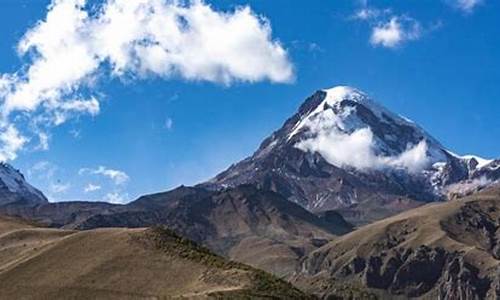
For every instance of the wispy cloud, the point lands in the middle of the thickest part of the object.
(370, 13)
(466, 6)
(91, 188)
(59, 187)
(42, 169)
(69, 51)
(75, 133)
(117, 176)
(48, 176)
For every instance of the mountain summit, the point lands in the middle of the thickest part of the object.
(342, 150)
(15, 188)
(349, 130)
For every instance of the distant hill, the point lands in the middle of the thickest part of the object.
(43, 263)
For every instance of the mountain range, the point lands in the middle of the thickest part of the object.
(345, 200)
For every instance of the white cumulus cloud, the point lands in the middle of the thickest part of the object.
(396, 31)
(77, 44)
(389, 29)
(357, 150)
(11, 142)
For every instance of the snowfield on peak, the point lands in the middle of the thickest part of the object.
(344, 135)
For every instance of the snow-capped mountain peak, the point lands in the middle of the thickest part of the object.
(349, 129)
(14, 187)
(343, 150)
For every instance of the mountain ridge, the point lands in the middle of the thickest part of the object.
(447, 250)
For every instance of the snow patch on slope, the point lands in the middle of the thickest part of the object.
(481, 162)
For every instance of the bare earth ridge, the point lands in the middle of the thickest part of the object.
(119, 263)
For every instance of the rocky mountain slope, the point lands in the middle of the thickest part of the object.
(41, 263)
(343, 151)
(438, 251)
(66, 215)
(13, 187)
(257, 227)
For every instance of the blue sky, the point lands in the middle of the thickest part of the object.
(436, 62)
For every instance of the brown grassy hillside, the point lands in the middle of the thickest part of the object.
(41, 263)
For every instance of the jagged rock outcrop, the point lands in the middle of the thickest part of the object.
(438, 251)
